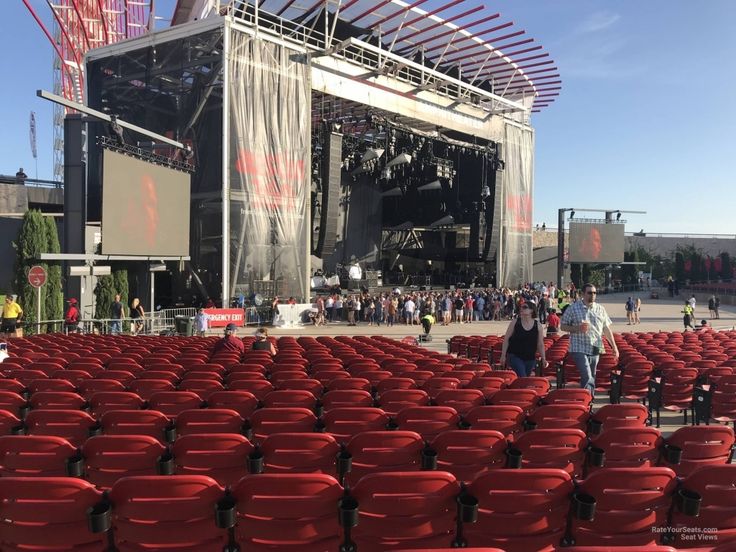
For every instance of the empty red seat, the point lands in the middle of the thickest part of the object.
(34, 455)
(342, 423)
(628, 447)
(173, 512)
(51, 384)
(259, 388)
(553, 448)
(104, 401)
(428, 421)
(568, 396)
(300, 453)
(144, 388)
(107, 458)
(468, 454)
(48, 513)
(135, 422)
(631, 506)
(506, 419)
(392, 401)
(266, 421)
(346, 397)
(461, 400)
(13, 402)
(223, 456)
(56, 400)
(73, 425)
(716, 523)
(620, 415)
(243, 402)
(526, 399)
(172, 403)
(552, 416)
(409, 509)
(290, 397)
(8, 422)
(87, 388)
(383, 451)
(209, 421)
(520, 510)
(287, 512)
(700, 445)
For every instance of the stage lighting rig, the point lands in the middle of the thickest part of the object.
(400, 159)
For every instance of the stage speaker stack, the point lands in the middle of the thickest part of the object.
(372, 277)
(331, 174)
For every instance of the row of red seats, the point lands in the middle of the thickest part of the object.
(617, 436)
(404, 510)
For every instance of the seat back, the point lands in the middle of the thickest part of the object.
(700, 445)
(108, 458)
(208, 420)
(384, 451)
(344, 422)
(300, 453)
(221, 456)
(553, 448)
(47, 513)
(34, 456)
(168, 511)
(428, 421)
(287, 512)
(468, 454)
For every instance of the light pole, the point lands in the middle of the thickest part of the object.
(561, 244)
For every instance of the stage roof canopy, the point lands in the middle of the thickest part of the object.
(459, 37)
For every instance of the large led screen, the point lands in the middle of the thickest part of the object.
(596, 243)
(145, 208)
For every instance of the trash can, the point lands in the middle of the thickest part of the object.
(184, 325)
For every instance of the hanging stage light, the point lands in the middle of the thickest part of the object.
(434, 185)
(371, 153)
(393, 192)
(444, 221)
(400, 159)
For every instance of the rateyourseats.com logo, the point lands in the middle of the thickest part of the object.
(709, 534)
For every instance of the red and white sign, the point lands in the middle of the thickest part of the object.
(37, 276)
(219, 318)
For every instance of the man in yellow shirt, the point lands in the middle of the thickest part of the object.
(11, 313)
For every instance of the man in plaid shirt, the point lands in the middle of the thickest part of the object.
(587, 322)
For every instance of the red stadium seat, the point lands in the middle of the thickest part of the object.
(392, 401)
(289, 397)
(553, 448)
(383, 451)
(716, 522)
(8, 422)
(428, 421)
(56, 400)
(506, 419)
(405, 509)
(619, 415)
(526, 399)
(135, 422)
(105, 401)
(461, 400)
(267, 421)
(47, 513)
(243, 402)
(520, 510)
(171, 512)
(13, 403)
(700, 445)
(208, 421)
(51, 384)
(172, 403)
(468, 454)
(300, 453)
(287, 512)
(630, 504)
(259, 388)
(628, 447)
(34, 455)
(144, 388)
(87, 388)
(342, 423)
(202, 387)
(108, 458)
(223, 456)
(73, 425)
(568, 416)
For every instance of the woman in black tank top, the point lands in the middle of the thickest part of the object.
(262, 343)
(523, 340)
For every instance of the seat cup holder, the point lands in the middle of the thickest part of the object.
(463, 424)
(348, 512)
(225, 513)
(75, 465)
(319, 427)
(319, 409)
(344, 463)
(688, 502)
(20, 429)
(595, 427)
(513, 459)
(170, 432)
(392, 426)
(165, 464)
(95, 430)
(255, 462)
(24, 410)
(596, 457)
(99, 517)
(467, 508)
(583, 506)
(673, 454)
(429, 459)
(529, 425)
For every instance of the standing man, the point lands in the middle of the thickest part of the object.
(118, 313)
(11, 313)
(587, 322)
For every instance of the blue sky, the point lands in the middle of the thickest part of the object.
(645, 119)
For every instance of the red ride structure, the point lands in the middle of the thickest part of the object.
(80, 26)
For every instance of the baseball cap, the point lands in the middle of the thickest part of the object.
(231, 328)
(73, 301)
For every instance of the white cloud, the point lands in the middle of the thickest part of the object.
(598, 21)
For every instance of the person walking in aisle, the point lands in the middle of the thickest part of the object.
(523, 340)
(587, 322)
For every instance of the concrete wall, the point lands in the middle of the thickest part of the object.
(13, 199)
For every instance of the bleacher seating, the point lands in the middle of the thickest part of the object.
(411, 446)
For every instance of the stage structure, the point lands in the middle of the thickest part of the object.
(361, 130)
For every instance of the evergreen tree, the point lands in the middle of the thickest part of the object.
(32, 241)
(54, 287)
(120, 285)
(104, 297)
